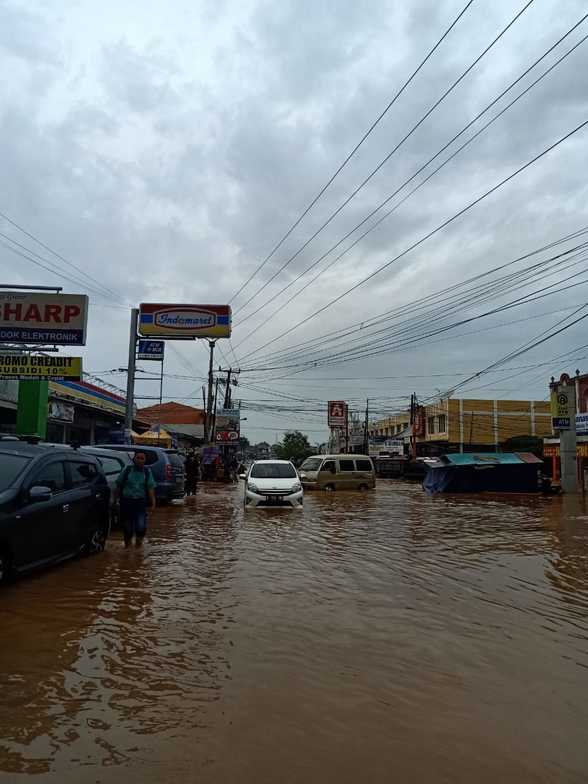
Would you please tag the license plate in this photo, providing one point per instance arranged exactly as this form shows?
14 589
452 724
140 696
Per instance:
274 498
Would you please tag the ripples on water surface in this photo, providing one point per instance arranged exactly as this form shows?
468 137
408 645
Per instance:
369 638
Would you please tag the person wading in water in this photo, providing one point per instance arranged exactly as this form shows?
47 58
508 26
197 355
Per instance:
135 487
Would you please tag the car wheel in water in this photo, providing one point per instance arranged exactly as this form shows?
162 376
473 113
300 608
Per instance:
97 542
330 488
363 488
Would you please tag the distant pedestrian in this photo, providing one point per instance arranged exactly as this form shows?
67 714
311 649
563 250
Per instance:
192 472
135 487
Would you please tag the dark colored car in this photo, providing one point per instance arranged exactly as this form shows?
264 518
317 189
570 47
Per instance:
53 505
167 466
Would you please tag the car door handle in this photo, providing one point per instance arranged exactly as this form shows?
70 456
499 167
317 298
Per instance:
65 508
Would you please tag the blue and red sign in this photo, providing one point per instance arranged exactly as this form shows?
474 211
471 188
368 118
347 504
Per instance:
151 350
184 321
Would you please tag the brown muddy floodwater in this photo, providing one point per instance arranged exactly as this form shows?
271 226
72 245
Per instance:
369 638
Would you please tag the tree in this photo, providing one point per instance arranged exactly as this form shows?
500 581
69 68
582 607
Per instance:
294 446
244 443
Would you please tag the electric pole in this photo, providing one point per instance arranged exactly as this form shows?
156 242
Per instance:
208 426
131 371
366 437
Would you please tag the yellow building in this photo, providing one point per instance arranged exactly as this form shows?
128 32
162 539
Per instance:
469 425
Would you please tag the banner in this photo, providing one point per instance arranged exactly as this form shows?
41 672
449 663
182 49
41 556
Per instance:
184 321
52 319
23 367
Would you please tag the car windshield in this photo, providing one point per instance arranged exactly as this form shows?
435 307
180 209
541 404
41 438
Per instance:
10 467
273 471
312 464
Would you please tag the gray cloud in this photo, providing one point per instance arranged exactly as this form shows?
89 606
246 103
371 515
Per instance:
165 155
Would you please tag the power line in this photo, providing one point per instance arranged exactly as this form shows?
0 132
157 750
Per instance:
377 223
390 154
56 254
353 151
430 234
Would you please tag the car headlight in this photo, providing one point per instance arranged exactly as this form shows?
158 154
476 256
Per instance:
296 487
252 487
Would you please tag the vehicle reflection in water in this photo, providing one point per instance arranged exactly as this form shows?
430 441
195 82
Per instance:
369 637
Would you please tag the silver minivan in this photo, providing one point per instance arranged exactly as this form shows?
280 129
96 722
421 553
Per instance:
338 472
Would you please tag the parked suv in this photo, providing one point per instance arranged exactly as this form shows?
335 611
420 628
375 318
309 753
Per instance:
167 466
53 505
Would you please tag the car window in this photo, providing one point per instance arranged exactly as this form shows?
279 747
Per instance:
175 459
11 466
347 465
328 465
82 473
273 471
311 464
363 465
51 476
111 465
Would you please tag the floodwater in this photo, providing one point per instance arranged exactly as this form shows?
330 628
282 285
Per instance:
368 638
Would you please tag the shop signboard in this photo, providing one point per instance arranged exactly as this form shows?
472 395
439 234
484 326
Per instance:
227 436
41 318
23 367
337 413
151 350
161 320
581 424
561 405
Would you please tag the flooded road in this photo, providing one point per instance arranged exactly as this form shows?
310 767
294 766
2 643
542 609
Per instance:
374 638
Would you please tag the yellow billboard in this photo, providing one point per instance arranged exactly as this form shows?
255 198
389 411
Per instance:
22 367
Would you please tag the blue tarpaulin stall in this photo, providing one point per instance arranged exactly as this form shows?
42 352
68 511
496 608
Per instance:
498 472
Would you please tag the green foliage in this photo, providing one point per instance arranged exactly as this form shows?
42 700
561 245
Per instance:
294 446
244 443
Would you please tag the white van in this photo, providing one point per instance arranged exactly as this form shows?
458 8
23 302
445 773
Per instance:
338 472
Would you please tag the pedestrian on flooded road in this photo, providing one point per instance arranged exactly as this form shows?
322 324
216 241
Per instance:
192 471
135 487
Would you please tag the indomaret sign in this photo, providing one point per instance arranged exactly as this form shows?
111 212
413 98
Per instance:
184 321
53 319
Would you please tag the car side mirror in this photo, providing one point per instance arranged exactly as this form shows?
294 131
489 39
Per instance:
39 493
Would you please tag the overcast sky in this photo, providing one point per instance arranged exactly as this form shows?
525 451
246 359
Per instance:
165 148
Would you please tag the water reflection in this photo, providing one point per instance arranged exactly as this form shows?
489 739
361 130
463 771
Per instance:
366 637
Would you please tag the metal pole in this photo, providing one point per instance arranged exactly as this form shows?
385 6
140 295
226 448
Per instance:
208 433
346 429
366 435
213 429
160 400
131 369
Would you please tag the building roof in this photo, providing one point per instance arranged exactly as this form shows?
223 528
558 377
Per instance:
172 413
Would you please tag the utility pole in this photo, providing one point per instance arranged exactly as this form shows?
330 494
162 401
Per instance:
346 429
131 370
366 435
208 422
227 403
413 426
213 429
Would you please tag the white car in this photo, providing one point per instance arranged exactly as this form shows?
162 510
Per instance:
273 483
